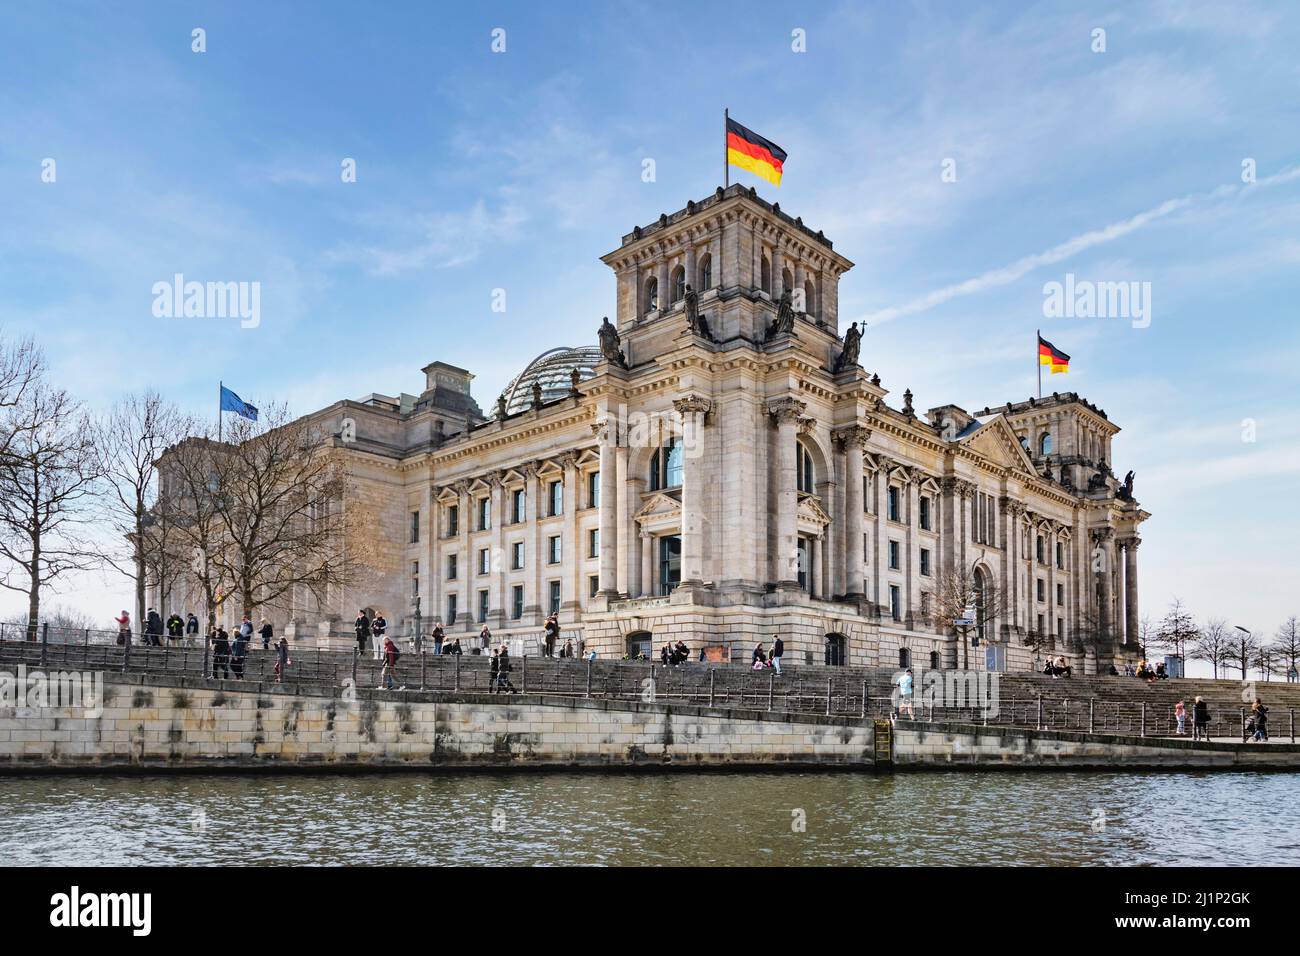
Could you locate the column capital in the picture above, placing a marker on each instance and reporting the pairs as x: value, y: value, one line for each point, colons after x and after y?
x: 851, y: 435
x: 461, y: 487
x: 567, y: 459
x: 1130, y: 544
x: 603, y: 430
x: 692, y: 405
x: 1101, y: 535
x: 786, y: 410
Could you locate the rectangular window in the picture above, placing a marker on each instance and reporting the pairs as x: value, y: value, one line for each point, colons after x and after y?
x: 484, y: 560
x: 415, y: 527
x: 593, y: 490
x: 484, y: 514
x: 453, y: 520
x: 482, y: 606
x: 451, y: 609
x: 925, y: 560
x: 415, y: 577
x: 925, y: 604
x: 1038, y: 550
x: 866, y: 494
x: 1060, y: 627
x: 520, y: 505
x: 517, y: 556
x: 593, y: 584
x: 893, y: 504
x: 893, y: 555
x: 556, y: 492
x: 925, y: 513
x: 895, y: 602
x: 866, y: 549
x: 553, y: 549
x: 1040, y: 624
x: 593, y: 543
x: 1040, y: 590
x: 516, y: 602
x: 1060, y: 595
x: 555, y: 598
x: 1060, y: 555
x: 451, y: 567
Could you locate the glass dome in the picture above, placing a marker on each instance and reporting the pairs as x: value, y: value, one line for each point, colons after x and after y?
x: 552, y: 370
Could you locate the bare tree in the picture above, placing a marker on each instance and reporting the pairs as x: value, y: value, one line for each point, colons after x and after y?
x: 1244, y: 648
x: 48, y: 476
x: 956, y: 598
x: 1287, y: 642
x: 129, y: 440
x: 190, y: 478
x: 1212, y: 644
x: 1176, y: 629
x: 21, y: 369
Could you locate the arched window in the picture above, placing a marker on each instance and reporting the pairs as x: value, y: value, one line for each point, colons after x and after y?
x: 706, y: 273
x: 666, y: 466
x: 809, y: 299
x: 678, y: 283
x: 765, y: 278
x: 1045, y: 444
x: 804, y: 469
x: 651, y: 294
x: 1024, y: 443
x: 640, y: 645
x: 977, y: 581
x: 787, y: 282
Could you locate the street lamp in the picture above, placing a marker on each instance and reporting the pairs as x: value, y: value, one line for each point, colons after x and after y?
x: 1246, y: 631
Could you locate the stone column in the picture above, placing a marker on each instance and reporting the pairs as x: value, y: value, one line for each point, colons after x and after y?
x: 571, y: 549
x: 778, y: 271
x: 532, y: 544
x: 605, y: 433
x: 464, y: 563
x: 693, y: 410
x: 1101, y: 540
x: 1132, y: 626
x: 852, y: 439
x: 647, y: 563
x: 689, y: 266
x: 623, y: 548
x: 665, y: 294
x: 786, y: 412
x: 497, y: 577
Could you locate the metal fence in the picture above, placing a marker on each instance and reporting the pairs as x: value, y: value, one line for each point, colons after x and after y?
x: 842, y: 692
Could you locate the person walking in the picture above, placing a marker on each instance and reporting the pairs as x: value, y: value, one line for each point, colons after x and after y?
x: 1259, y: 717
x: 778, y: 651
x: 494, y: 672
x: 905, y: 695
x: 191, y: 629
x: 362, y: 627
x: 391, y: 654
x: 378, y: 630
x: 281, y: 659
x: 484, y: 640
x: 1200, y: 719
x: 267, y: 634
x: 503, y: 670
x: 175, y: 628
x: 239, y: 652
x: 123, y: 628
x: 220, y: 654
x: 1180, y: 714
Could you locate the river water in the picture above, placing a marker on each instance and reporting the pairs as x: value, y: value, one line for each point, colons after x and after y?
x: 993, y: 818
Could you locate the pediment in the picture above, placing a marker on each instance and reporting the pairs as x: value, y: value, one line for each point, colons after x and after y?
x: 995, y: 441
x: 811, y: 510
x: 658, y: 506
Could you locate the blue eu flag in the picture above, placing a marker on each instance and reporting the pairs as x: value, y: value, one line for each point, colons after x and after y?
x: 230, y: 402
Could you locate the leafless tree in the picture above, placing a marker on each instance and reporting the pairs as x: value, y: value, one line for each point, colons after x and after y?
x: 129, y: 440
x: 957, y: 594
x: 21, y: 369
x: 48, y: 476
x: 1212, y: 644
x: 1244, y: 648
x: 1287, y: 643
x: 190, y: 480
x: 1176, y: 630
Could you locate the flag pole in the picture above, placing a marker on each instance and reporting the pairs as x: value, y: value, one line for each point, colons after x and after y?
x: 1038, y: 359
x: 726, y: 169
x: 221, y: 385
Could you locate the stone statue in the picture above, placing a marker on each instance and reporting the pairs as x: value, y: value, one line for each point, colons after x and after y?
x: 848, y: 357
x: 1096, y: 482
x: 537, y: 394
x: 501, y: 407
x: 784, y: 321
x: 574, y: 378
x: 907, y: 404
x: 1125, y: 491
x: 1066, y: 478
x: 695, y: 323
x: 609, y: 347
x: 1104, y: 468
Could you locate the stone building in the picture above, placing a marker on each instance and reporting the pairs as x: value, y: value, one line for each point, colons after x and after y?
x: 722, y: 469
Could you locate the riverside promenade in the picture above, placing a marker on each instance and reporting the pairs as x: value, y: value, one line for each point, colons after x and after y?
x: 163, y: 710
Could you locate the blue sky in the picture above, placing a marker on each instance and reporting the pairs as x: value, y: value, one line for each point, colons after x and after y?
x: 517, y: 170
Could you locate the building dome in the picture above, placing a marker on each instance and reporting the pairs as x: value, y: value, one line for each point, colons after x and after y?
x: 553, y: 370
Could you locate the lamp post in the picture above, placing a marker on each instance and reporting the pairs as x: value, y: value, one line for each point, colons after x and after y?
x: 1246, y: 631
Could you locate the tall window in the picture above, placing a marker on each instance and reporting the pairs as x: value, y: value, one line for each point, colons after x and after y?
x: 804, y: 464
x: 678, y: 283
x: 555, y: 493
x: 484, y: 514
x: 765, y: 275
x: 666, y: 466
x: 554, y: 607
x: 670, y: 562
x: 893, y: 504
x: 925, y: 513
x: 809, y: 299
x: 484, y: 561
x: 895, y: 603
x: 787, y: 282
x: 451, y: 567
x: 925, y: 560
x: 593, y: 543
x: 415, y: 527
x: 1060, y: 555
x: 553, y: 549
x: 517, y: 556
x: 1045, y: 444
x: 1060, y: 595
x: 593, y: 490
x: 893, y: 556
x: 520, y: 505
x: 453, y: 520
x: 981, y: 623
x: 706, y: 273
x: 517, y: 602
x: 451, y: 609
x: 1038, y: 549
x: 482, y: 606
x: 651, y: 294
x: 415, y: 577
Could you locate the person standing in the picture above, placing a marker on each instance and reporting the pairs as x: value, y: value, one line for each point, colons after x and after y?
x: 191, y: 629
x: 391, y: 654
x: 503, y: 670
x: 362, y: 627
x: 778, y: 651
x: 1259, y: 715
x: 239, y: 652
x: 484, y: 640
x: 281, y: 659
x: 123, y: 628
x: 551, y: 634
x: 568, y: 650
x: 154, y: 627
x: 905, y: 695
x: 1200, y: 719
x: 220, y: 654
x: 378, y: 630
x: 494, y: 672
x: 439, y: 636
x: 175, y: 628
x: 246, y: 632
x: 1180, y: 714
x: 267, y: 634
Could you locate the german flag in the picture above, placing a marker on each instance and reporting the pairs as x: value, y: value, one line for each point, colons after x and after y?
x: 1050, y: 355
x: 748, y: 150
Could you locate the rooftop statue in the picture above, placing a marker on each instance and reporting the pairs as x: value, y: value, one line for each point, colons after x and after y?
x: 609, y: 346
x: 848, y: 357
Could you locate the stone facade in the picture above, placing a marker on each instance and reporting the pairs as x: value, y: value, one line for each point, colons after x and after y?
x: 717, y: 479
